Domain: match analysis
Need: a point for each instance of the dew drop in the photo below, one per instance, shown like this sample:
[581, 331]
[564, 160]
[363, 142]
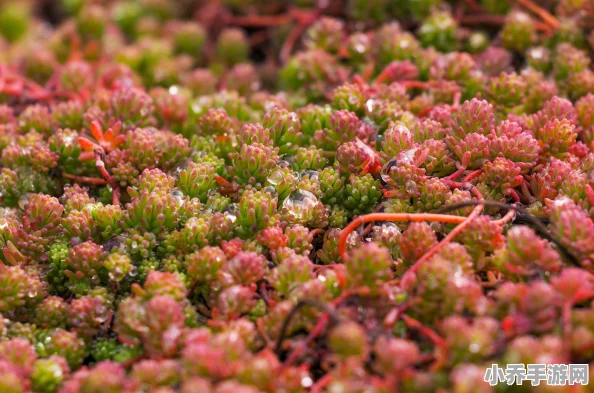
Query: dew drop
[179, 198]
[561, 201]
[271, 190]
[275, 177]
[379, 139]
[537, 53]
[212, 193]
[230, 217]
[371, 105]
[388, 229]
[408, 156]
[24, 201]
[306, 382]
[387, 168]
[173, 90]
[133, 272]
[231, 212]
[112, 243]
[99, 319]
[298, 205]
[359, 48]
[411, 187]
[283, 164]
[289, 159]
[310, 173]
[353, 239]
[68, 140]
[232, 208]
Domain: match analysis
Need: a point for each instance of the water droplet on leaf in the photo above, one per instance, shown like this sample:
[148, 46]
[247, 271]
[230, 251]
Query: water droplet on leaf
[298, 205]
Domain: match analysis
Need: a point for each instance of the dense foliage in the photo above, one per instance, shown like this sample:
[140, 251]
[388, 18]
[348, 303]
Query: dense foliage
[276, 196]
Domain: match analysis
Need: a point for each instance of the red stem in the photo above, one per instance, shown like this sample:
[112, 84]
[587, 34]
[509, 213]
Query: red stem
[115, 189]
[474, 6]
[321, 384]
[426, 331]
[303, 22]
[223, 182]
[385, 75]
[406, 217]
[457, 99]
[541, 12]
[262, 331]
[368, 71]
[526, 192]
[319, 327]
[419, 84]
[85, 179]
[259, 20]
[393, 316]
[507, 218]
[472, 175]
[456, 174]
[316, 331]
[408, 275]
[514, 195]
[314, 232]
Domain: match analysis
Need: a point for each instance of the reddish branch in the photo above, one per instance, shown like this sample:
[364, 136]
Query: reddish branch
[528, 197]
[320, 326]
[472, 175]
[402, 217]
[541, 12]
[424, 330]
[462, 222]
[393, 316]
[85, 179]
[227, 188]
[451, 236]
[507, 218]
[303, 19]
[115, 189]
[456, 174]
[440, 344]
[260, 20]
[319, 386]
[314, 232]
[435, 249]
[105, 142]
[315, 332]
[474, 6]
[13, 84]
[420, 84]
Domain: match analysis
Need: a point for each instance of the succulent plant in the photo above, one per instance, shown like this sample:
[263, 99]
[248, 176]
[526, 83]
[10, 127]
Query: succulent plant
[261, 197]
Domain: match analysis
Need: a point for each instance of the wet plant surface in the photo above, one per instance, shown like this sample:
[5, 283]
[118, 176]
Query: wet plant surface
[311, 196]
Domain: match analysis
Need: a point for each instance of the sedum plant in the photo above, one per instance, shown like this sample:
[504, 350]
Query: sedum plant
[259, 197]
